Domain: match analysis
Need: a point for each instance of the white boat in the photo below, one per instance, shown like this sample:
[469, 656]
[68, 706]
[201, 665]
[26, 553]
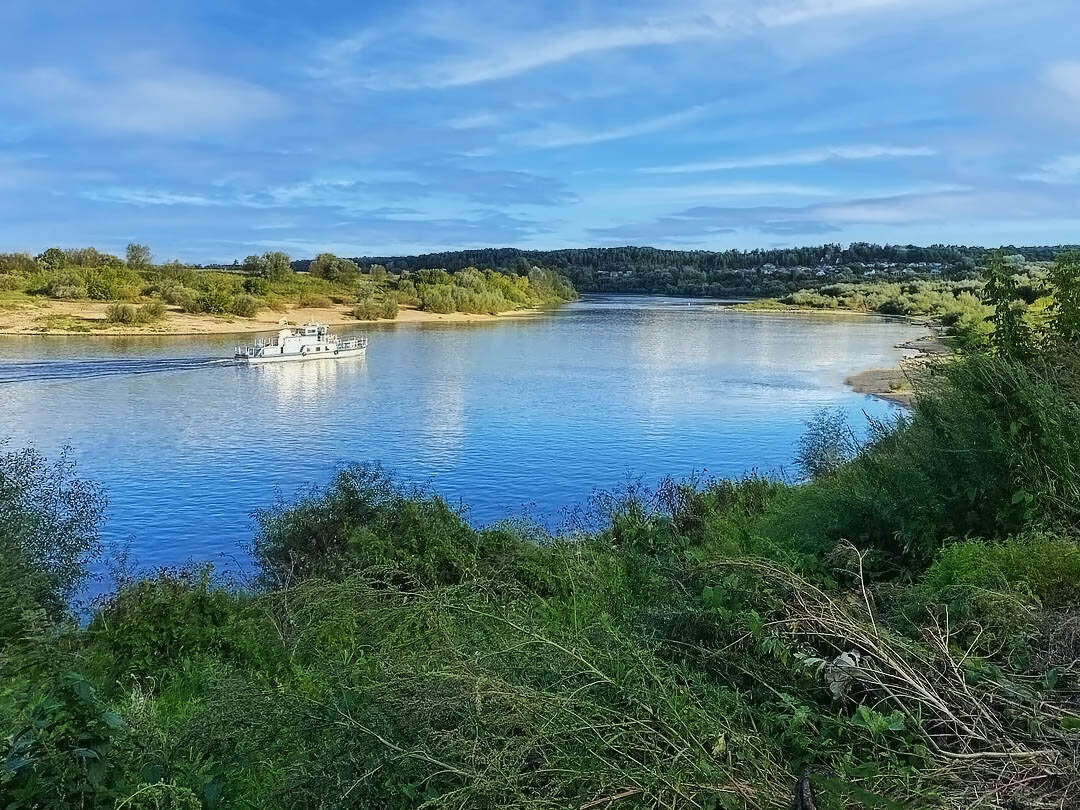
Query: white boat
[312, 341]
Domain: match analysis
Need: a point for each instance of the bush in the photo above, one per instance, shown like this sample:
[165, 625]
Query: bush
[436, 298]
[66, 285]
[256, 285]
[187, 299]
[363, 519]
[309, 301]
[216, 301]
[150, 311]
[367, 309]
[244, 305]
[121, 313]
[388, 309]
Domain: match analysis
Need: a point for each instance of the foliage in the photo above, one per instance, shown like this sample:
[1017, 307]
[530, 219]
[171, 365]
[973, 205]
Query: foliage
[827, 445]
[371, 309]
[49, 520]
[904, 621]
[1011, 336]
[138, 256]
[751, 273]
[333, 268]
[1065, 310]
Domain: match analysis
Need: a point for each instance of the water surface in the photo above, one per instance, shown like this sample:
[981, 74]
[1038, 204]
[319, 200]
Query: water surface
[520, 415]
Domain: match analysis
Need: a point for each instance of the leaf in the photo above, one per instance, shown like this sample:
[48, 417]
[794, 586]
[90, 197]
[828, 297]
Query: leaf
[865, 797]
[1070, 723]
[1053, 675]
[112, 720]
[212, 792]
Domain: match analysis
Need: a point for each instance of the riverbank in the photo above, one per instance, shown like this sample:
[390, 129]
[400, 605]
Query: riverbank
[49, 317]
[895, 384]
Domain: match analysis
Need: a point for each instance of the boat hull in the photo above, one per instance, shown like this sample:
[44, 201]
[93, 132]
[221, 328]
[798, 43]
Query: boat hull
[300, 358]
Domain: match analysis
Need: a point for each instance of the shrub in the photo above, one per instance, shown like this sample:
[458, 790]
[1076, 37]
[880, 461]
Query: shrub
[388, 309]
[66, 285]
[150, 311]
[311, 301]
[367, 309]
[187, 299]
[121, 313]
[244, 305]
[256, 285]
[436, 298]
[363, 518]
[215, 300]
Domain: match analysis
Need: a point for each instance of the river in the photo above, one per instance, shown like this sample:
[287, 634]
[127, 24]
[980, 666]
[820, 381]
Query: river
[520, 416]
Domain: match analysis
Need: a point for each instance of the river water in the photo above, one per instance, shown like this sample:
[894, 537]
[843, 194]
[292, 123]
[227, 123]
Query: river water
[519, 416]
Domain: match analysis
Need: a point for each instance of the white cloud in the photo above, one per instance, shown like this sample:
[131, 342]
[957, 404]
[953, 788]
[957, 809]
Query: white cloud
[1060, 170]
[807, 157]
[513, 48]
[478, 120]
[143, 196]
[169, 102]
[555, 136]
[1065, 78]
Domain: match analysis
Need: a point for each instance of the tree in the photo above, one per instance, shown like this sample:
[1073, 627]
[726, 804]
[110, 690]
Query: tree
[1065, 311]
[49, 521]
[277, 264]
[334, 268]
[138, 256]
[1011, 337]
[254, 265]
[52, 259]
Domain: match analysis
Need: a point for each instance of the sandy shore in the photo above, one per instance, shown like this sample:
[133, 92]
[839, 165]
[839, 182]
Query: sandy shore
[894, 384]
[48, 317]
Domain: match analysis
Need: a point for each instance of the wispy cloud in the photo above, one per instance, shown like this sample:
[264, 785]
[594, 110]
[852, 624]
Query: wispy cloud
[807, 157]
[1065, 78]
[166, 102]
[896, 210]
[1060, 170]
[477, 120]
[554, 136]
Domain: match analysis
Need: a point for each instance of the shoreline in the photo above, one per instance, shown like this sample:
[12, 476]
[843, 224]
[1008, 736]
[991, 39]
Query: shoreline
[894, 384]
[49, 318]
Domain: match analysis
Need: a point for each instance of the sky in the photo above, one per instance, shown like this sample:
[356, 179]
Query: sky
[212, 130]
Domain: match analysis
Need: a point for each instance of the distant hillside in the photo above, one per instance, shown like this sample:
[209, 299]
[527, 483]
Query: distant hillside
[731, 272]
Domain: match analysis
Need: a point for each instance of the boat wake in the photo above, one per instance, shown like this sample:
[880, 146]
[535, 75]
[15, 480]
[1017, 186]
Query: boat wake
[14, 371]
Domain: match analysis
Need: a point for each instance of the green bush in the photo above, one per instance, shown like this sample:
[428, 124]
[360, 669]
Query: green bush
[363, 519]
[66, 284]
[215, 300]
[150, 311]
[245, 306]
[256, 285]
[121, 313]
[311, 301]
[367, 309]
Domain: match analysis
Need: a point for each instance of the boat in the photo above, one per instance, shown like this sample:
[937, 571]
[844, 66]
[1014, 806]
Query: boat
[312, 341]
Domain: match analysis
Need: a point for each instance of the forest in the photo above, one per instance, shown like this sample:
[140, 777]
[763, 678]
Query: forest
[732, 273]
[900, 622]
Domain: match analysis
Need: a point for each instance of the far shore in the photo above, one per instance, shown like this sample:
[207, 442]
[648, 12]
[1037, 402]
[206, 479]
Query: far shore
[49, 317]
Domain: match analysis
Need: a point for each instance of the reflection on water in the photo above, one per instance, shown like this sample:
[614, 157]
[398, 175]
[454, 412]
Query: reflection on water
[497, 416]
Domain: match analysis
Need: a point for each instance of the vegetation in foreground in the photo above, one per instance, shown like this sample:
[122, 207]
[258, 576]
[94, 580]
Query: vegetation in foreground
[141, 293]
[904, 624]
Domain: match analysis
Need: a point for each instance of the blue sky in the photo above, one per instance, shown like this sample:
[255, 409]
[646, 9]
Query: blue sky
[211, 130]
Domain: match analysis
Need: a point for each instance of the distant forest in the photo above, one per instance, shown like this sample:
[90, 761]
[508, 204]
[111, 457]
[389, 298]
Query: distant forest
[754, 273]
